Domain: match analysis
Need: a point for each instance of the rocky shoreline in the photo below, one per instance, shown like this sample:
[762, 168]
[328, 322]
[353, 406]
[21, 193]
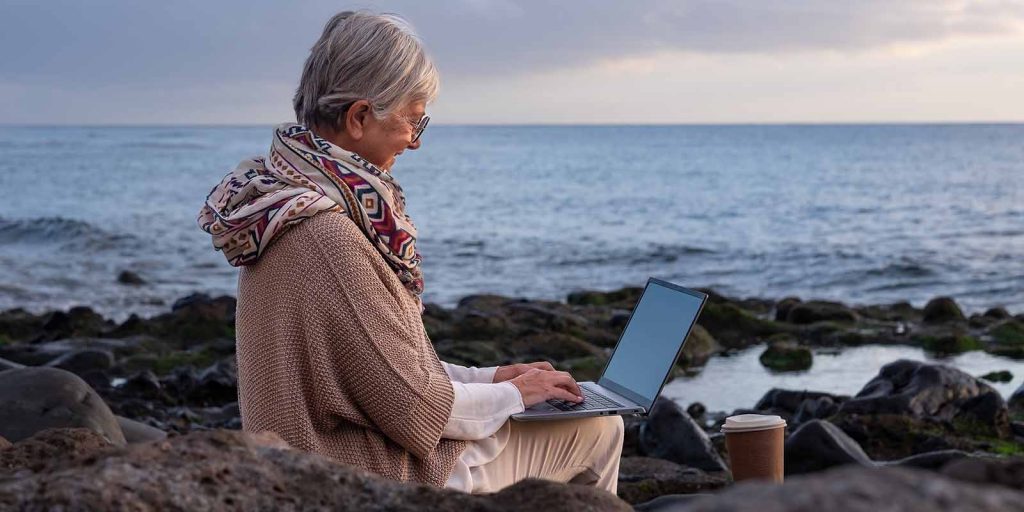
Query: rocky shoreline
[163, 389]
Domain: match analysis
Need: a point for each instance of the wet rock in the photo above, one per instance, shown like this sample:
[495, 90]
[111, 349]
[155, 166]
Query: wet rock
[819, 445]
[587, 368]
[860, 489]
[143, 384]
[35, 399]
[789, 401]
[232, 470]
[948, 343]
[84, 360]
[1009, 333]
[734, 327]
[942, 310]
[896, 436]
[470, 352]
[624, 298]
[784, 306]
[138, 432]
[9, 365]
[697, 411]
[549, 316]
[924, 390]
[1005, 472]
[52, 447]
[552, 346]
[643, 478]
[700, 346]
[930, 460]
[78, 321]
[1016, 401]
[669, 433]
[999, 376]
[478, 324]
[997, 313]
[786, 356]
[213, 385]
[816, 408]
[130, 278]
[196, 319]
[19, 325]
[820, 311]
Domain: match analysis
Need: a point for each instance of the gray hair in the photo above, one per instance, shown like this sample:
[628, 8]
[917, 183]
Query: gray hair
[363, 55]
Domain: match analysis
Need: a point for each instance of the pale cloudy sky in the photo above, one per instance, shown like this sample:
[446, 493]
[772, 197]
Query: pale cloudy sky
[529, 61]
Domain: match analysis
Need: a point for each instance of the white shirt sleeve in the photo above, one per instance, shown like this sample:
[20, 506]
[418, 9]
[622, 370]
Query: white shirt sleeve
[471, 374]
[480, 409]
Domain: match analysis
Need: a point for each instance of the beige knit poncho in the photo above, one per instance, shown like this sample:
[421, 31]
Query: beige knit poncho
[332, 355]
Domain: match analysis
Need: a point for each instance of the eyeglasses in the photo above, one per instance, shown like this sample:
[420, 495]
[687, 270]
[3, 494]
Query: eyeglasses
[417, 127]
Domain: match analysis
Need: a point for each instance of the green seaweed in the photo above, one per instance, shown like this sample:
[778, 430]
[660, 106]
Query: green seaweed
[1009, 333]
[951, 344]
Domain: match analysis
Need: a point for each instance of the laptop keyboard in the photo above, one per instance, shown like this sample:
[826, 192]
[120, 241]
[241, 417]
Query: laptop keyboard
[590, 402]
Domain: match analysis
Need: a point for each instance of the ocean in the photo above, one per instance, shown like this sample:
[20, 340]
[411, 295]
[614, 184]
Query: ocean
[855, 213]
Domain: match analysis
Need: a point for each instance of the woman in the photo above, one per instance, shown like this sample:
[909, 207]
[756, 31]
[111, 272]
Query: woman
[332, 353]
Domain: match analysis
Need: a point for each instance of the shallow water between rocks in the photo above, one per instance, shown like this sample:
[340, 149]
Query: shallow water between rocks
[738, 380]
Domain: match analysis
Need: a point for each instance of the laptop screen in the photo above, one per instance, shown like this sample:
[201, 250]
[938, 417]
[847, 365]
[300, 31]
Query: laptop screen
[651, 341]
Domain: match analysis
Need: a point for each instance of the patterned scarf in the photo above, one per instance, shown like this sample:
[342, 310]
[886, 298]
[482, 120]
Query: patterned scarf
[305, 175]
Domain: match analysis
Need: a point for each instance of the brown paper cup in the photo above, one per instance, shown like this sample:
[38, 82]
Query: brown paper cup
[756, 452]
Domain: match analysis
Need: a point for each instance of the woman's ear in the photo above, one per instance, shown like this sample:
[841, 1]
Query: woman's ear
[356, 118]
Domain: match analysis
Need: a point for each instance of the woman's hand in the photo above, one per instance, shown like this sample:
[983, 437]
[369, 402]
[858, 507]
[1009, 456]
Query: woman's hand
[510, 372]
[537, 386]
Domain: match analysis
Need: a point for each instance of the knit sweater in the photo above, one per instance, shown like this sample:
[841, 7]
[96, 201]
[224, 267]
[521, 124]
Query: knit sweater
[333, 357]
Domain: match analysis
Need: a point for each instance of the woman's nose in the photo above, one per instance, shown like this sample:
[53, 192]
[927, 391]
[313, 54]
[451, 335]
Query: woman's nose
[415, 145]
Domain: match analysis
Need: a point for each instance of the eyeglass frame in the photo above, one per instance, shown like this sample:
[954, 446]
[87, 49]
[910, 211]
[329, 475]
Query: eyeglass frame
[417, 127]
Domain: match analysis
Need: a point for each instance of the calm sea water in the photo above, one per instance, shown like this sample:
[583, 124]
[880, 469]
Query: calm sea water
[862, 214]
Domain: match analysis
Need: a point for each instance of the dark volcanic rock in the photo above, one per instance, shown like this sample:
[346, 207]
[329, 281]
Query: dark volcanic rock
[942, 310]
[786, 356]
[669, 433]
[84, 360]
[1016, 402]
[860, 489]
[53, 447]
[35, 399]
[783, 307]
[799, 406]
[999, 376]
[997, 313]
[735, 327]
[231, 470]
[818, 445]
[933, 391]
[138, 432]
[130, 278]
[643, 478]
[1005, 472]
[820, 311]
[76, 322]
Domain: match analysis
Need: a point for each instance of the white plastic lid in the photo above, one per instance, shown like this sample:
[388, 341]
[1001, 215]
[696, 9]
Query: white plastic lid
[752, 422]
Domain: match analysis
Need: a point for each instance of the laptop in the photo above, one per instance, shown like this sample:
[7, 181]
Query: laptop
[642, 360]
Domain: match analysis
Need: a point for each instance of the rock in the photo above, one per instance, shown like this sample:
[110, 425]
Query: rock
[997, 313]
[9, 365]
[816, 408]
[783, 307]
[478, 324]
[735, 327]
[470, 352]
[551, 346]
[643, 478]
[1005, 472]
[999, 376]
[52, 447]
[924, 390]
[138, 432]
[668, 503]
[942, 310]
[860, 489]
[696, 411]
[143, 384]
[625, 298]
[213, 385]
[84, 360]
[819, 445]
[19, 325]
[4, 443]
[820, 311]
[1016, 402]
[35, 399]
[231, 470]
[130, 278]
[1009, 333]
[76, 322]
[949, 343]
[789, 401]
[930, 460]
[669, 433]
[700, 346]
[786, 356]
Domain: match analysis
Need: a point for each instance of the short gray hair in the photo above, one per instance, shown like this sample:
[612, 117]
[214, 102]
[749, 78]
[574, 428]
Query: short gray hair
[363, 55]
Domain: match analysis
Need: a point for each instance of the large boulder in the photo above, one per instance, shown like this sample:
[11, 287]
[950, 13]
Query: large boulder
[932, 391]
[669, 433]
[219, 470]
[860, 489]
[699, 347]
[786, 356]
[988, 470]
[819, 445]
[35, 399]
[799, 406]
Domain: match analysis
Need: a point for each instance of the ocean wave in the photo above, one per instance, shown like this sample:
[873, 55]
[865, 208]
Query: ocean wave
[657, 254]
[68, 233]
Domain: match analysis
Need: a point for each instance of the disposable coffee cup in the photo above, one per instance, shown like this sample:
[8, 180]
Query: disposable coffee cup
[755, 444]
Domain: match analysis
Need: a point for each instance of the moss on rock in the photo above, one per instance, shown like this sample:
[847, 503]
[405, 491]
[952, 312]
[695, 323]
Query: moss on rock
[786, 356]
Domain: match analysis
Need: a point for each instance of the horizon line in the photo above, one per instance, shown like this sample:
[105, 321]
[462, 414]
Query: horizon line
[536, 124]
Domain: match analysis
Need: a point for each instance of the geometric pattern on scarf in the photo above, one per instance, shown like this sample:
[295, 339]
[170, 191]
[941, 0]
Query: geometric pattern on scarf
[304, 175]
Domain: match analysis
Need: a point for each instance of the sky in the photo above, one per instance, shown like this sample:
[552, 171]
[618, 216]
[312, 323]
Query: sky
[528, 61]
